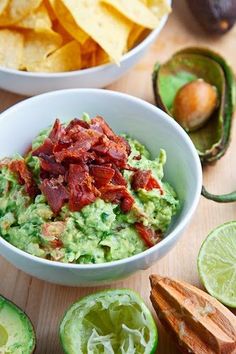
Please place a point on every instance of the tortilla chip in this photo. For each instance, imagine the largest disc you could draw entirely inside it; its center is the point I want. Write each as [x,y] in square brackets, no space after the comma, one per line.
[89,46]
[94,58]
[88,60]
[85,61]
[134,35]
[50,10]
[11,48]
[16,10]
[89,53]
[68,22]
[66,58]
[135,11]
[101,57]
[57,27]
[159,8]
[3,5]
[106,26]
[38,45]
[39,18]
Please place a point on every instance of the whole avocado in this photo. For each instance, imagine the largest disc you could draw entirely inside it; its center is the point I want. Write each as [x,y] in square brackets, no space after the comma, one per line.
[215,16]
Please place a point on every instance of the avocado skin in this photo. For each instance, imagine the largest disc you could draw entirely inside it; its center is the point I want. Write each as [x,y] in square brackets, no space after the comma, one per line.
[4,302]
[215,16]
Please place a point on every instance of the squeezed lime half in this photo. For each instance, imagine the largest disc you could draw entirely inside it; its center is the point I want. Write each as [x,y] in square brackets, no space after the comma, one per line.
[217,263]
[109,322]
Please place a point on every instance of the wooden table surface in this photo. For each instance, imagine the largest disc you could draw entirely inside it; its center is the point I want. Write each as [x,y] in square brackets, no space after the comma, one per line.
[45,303]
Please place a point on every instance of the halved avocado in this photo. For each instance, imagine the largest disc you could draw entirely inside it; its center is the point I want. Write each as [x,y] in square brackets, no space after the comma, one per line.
[17,334]
[190,64]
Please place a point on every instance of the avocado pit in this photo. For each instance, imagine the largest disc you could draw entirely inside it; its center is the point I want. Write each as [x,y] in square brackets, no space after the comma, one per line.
[194,104]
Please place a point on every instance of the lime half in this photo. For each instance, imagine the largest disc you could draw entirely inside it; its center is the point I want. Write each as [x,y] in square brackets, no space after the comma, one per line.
[109,322]
[217,263]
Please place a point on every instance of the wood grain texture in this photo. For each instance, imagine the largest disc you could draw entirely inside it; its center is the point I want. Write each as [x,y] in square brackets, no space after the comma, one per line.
[45,303]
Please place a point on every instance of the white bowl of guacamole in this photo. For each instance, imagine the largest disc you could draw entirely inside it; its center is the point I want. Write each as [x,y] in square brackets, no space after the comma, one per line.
[99,243]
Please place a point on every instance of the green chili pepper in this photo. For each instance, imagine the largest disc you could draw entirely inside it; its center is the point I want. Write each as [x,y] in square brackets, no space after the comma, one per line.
[223,198]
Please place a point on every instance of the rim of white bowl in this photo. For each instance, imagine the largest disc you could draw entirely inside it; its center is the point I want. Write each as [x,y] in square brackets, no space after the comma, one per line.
[148,40]
[181,225]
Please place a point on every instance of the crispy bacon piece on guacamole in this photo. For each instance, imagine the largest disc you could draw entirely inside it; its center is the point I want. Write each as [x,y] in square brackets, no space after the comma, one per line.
[25,177]
[91,157]
[144,179]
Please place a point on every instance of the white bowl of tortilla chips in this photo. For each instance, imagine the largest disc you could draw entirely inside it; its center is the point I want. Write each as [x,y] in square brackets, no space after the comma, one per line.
[47,45]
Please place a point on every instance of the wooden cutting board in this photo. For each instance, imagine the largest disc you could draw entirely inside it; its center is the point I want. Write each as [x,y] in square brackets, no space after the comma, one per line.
[45,303]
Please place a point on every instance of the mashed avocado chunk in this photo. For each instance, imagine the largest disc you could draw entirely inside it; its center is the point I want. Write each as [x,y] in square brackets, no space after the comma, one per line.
[99,232]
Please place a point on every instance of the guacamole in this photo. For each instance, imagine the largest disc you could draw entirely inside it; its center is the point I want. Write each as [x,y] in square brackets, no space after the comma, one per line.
[100,231]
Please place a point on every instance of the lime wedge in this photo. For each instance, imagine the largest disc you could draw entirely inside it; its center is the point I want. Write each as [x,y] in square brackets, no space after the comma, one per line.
[109,322]
[217,263]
